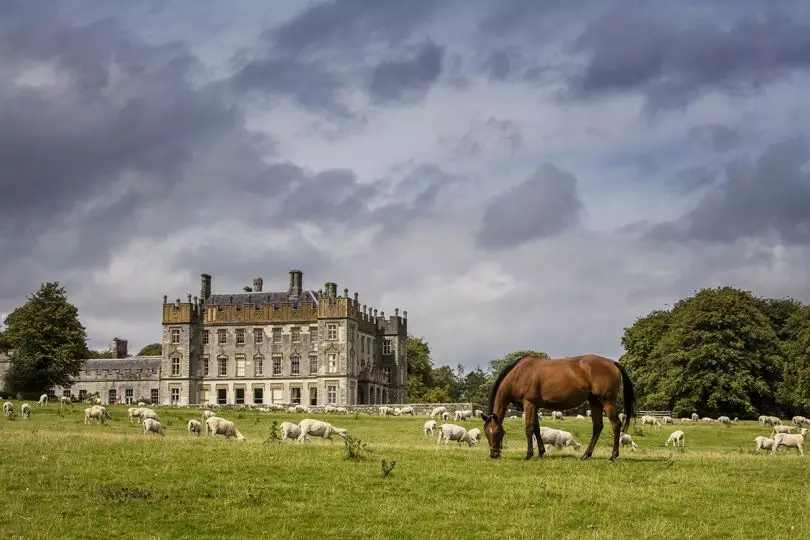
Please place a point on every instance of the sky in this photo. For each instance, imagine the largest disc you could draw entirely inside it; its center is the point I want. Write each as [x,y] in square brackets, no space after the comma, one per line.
[514,174]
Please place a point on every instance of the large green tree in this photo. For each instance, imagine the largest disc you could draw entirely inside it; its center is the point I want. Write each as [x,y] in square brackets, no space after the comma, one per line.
[47,343]
[153,349]
[794,392]
[420,366]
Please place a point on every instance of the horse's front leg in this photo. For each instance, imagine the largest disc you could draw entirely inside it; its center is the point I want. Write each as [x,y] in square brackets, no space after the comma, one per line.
[596,418]
[530,418]
[541,448]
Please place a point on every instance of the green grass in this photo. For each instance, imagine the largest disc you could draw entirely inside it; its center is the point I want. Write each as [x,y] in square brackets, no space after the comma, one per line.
[61,478]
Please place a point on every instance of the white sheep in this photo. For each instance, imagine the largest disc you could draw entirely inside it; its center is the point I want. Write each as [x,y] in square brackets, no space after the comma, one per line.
[134,412]
[43,399]
[647,419]
[557,415]
[694,417]
[667,420]
[621,418]
[707,419]
[141,404]
[773,421]
[675,437]
[723,420]
[301,408]
[342,410]
[790,441]
[445,416]
[194,427]
[220,426]
[407,410]
[319,428]
[764,443]
[330,409]
[474,435]
[452,432]
[65,400]
[762,418]
[26,410]
[588,413]
[289,431]
[8,409]
[580,417]
[386,411]
[558,438]
[153,426]
[800,420]
[627,440]
[429,426]
[97,413]
[463,415]
[148,413]
[781,429]
[437,411]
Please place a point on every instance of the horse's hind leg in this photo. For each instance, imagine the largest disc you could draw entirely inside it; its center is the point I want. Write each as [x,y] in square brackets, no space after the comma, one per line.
[596,418]
[613,414]
[530,419]
[541,448]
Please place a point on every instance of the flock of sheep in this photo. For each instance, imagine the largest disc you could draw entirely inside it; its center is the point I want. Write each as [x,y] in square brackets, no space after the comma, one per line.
[781,434]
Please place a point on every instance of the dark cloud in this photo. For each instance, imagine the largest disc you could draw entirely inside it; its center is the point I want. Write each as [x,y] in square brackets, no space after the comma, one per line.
[672,59]
[545,205]
[494,134]
[769,195]
[693,178]
[721,138]
[410,79]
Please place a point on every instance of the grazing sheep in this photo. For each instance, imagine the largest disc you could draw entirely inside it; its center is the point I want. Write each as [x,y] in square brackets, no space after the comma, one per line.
[134,412]
[463,415]
[781,429]
[694,417]
[445,416]
[762,419]
[452,432]
[43,399]
[621,418]
[800,420]
[675,437]
[667,420]
[65,400]
[26,410]
[194,427]
[329,408]
[342,410]
[557,415]
[148,413]
[772,421]
[647,419]
[723,420]
[558,438]
[386,411]
[141,404]
[474,435]
[580,417]
[319,428]
[684,419]
[707,419]
[291,409]
[627,440]
[437,411]
[588,413]
[220,426]
[289,431]
[790,441]
[301,408]
[764,443]
[429,426]
[8,409]
[407,410]
[97,413]
[153,426]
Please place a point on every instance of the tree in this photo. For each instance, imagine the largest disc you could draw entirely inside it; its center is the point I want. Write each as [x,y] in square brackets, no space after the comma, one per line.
[47,343]
[106,353]
[794,392]
[153,349]
[420,366]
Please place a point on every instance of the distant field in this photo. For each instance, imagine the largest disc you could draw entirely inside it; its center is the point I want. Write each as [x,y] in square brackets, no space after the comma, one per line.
[64,479]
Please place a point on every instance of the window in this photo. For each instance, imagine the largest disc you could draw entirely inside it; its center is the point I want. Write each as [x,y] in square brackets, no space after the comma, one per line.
[205,337]
[128,396]
[240,396]
[387,346]
[258,335]
[154,394]
[331,332]
[313,334]
[205,394]
[175,366]
[175,395]
[175,335]
[295,396]
[222,396]
[387,373]
[351,334]
[331,394]
[222,335]
[222,366]
[296,334]
[295,364]
[82,395]
[240,365]
[258,366]
[313,396]
[276,364]
[313,364]
[258,395]
[276,335]
[111,396]
[276,394]
[362,344]
[205,367]
[240,336]
[66,392]
[332,363]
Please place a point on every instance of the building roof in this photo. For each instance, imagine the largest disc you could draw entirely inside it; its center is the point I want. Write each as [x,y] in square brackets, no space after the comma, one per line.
[130,362]
[259,299]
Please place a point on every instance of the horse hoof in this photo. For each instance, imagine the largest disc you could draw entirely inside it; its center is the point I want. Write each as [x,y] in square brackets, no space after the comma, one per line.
[528,457]
[584,457]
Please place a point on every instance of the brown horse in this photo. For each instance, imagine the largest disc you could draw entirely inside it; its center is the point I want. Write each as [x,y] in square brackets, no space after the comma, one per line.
[538,382]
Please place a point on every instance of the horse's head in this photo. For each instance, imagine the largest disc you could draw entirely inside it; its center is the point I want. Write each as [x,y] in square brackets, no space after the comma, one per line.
[493,428]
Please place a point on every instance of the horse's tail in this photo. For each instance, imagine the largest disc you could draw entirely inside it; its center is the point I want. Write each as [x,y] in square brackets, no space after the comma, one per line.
[629,397]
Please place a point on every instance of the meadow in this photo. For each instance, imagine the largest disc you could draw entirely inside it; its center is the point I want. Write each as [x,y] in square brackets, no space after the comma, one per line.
[62,478]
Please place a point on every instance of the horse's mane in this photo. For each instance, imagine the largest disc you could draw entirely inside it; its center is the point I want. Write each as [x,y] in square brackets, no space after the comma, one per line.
[504,372]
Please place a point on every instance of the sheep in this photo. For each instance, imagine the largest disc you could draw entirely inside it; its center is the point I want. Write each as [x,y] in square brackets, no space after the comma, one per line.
[723,420]
[437,411]
[773,421]
[141,404]
[445,416]
[97,413]
[781,429]
[65,400]
[330,408]
[301,408]
[621,418]
[558,438]
[134,412]
[668,420]
[474,435]
[429,426]
[557,415]
[647,419]
[289,431]
[694,417]
[407,410]
[580,417]
[674,437]
[220,426]
[463,415]
[764,443]
[790,441]
[152,425]
[800,420]
[26,410]
[342,410]
[194,427]
[148,413]
[588,413]
[291,409]
[43,399]
[8,409]
[385,411]
[762,418]
[707,419]
[452,432]
[319,428]
[627,440]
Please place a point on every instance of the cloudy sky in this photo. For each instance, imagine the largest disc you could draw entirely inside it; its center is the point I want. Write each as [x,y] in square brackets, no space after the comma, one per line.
[521,174]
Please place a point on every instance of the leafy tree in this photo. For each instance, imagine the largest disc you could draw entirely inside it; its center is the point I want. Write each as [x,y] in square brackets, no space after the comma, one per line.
[153,349]
[107,353]
[420,366]
[779,311]
[475,387]
[46,340]
[794,392]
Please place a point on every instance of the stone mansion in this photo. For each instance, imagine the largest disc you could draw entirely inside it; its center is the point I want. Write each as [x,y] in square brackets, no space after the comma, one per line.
[256,347]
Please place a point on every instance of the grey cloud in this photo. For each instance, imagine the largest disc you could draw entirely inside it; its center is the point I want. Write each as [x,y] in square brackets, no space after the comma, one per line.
[769,195]
[494,134]
[407,80]
[693,178]
[544,205]
[722,138]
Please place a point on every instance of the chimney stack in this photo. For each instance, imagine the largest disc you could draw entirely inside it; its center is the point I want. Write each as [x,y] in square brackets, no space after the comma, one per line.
[258,283]
[205,286]
[119,347]
[296,277]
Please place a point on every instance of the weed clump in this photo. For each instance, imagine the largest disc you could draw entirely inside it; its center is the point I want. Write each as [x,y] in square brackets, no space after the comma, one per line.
[356,449]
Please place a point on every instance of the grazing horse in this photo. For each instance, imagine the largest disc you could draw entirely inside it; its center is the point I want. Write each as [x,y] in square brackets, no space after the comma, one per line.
[538,382]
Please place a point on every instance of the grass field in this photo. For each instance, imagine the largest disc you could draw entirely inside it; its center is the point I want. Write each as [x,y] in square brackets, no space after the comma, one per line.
[64,479]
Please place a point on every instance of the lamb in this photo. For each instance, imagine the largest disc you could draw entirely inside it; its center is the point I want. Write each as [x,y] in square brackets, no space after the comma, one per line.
[194,427]
[463,415]
[407,410]
[474,435]
[800,420]
[220,426]
[647,419]
[627,440]
[790,441]
[437,411]
[43,399]
[557,415]
[675,437]
[289,431]
[152,425]
[97,413]
[781,429]
[8,409]
[65,400]
[668,420]
[764,443]
[452,432]
[445,416]
[694,417]
[558,438]
[430,425]
[319,428]
[723,420]
[26,410]
[580,417]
